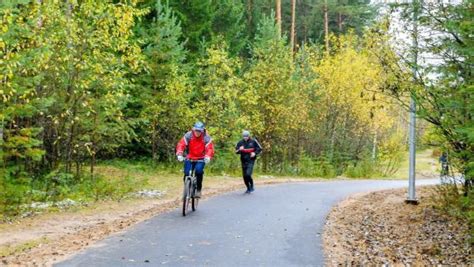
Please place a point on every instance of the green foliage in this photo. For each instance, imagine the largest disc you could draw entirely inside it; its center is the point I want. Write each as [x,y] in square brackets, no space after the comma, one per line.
[450,41]
[219,87]
[269,86]
[442,88]
[343,16]
[226,163]
[207,21]
[228,23]
[13,194]
[88,81]
[362,169]
[310,167]
[17,195]
[391,154]
[451,200]
[159,105]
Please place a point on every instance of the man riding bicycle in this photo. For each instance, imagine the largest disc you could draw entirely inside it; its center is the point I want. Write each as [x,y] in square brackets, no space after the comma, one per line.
[443,159]
[200,150]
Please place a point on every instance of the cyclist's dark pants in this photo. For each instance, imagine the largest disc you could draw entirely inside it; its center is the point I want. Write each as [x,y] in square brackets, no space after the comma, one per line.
[444,169]
[198,170]
[247,169]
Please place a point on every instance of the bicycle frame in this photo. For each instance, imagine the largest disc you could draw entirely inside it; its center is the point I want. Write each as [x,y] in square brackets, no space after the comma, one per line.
[444,174]
[191,190]
[191,172]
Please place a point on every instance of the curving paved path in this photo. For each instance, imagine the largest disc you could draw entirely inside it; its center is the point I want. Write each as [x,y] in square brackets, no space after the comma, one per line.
[277,225]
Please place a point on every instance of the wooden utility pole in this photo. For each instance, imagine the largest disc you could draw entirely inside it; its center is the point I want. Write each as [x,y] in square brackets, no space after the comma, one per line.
[278,14]
[293,22]
[326,25]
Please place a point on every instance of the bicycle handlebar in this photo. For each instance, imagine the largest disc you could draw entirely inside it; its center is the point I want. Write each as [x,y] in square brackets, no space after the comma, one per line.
[195,160]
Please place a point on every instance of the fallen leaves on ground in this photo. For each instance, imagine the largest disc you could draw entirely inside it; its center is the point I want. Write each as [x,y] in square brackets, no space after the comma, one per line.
[380,228]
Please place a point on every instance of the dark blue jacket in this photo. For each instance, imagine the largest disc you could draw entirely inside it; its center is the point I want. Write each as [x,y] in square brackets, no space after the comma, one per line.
[251,145]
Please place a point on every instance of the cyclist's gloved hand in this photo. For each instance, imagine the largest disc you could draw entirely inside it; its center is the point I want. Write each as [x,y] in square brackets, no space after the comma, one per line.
[207,160]
[180,158]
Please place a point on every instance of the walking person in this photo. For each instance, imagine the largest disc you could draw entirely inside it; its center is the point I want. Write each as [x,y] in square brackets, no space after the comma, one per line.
[249,149]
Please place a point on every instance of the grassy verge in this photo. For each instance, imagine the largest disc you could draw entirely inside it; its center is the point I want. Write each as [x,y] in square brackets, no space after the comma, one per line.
[169,180]
[115,180]
[120,179]
[426,165]
[6,251]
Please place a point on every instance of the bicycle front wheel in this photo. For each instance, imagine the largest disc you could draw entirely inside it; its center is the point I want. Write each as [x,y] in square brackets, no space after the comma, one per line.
[186,196]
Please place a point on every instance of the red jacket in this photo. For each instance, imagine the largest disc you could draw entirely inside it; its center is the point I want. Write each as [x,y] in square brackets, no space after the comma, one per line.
[197,147]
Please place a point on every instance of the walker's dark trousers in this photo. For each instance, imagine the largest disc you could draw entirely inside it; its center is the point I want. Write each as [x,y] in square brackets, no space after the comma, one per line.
[247,169]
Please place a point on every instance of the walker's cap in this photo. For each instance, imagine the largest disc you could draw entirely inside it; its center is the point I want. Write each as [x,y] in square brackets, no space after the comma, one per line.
[246,133]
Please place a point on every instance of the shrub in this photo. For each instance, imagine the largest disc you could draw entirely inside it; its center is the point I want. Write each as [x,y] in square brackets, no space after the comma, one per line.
[363,169]
[311,167]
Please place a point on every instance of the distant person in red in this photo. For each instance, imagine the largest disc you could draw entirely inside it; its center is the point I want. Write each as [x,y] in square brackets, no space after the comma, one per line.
[248,148]
[199,149]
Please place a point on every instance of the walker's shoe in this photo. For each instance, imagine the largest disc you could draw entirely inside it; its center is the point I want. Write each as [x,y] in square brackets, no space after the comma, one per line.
[247,192]
[198,194]
[252,189]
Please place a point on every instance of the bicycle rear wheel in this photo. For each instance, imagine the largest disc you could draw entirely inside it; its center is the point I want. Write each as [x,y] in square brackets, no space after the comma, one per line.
[186,195]
[194,203]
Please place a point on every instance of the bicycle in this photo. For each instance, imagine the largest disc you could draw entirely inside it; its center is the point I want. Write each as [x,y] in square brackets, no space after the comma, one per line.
[189,190]
[444,174]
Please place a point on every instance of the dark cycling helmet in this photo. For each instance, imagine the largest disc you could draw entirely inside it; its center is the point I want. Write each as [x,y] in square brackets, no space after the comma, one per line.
[199,126]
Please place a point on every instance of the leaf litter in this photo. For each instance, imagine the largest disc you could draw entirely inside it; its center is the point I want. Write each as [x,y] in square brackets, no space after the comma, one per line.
[379,228]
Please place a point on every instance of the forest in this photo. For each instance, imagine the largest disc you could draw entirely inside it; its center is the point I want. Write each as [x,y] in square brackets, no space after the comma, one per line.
[319,83]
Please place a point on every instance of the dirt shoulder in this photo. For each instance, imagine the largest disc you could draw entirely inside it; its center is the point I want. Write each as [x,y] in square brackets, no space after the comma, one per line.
[379,228]
[48,238]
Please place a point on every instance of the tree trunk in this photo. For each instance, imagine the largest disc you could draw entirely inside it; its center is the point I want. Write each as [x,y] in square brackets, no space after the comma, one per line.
[92,162]
[70,145]
[374,147]
[278,15]
[339,21]
[2,161]
[93,145]
[40,19]
[293,22]
[249,14]
[78,166]
[153,141]
[69,89]
[1,131]
[326,25]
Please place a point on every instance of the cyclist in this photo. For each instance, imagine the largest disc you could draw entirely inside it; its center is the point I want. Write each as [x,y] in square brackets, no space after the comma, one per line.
[443,159]
[248,148]
[198,145]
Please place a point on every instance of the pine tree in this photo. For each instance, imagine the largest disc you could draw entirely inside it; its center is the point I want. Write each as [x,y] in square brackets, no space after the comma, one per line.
[219,87]
[163,95]
[269,88]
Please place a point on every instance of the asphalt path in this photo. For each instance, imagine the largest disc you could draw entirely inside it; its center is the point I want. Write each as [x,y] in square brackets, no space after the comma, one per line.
[277,225]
